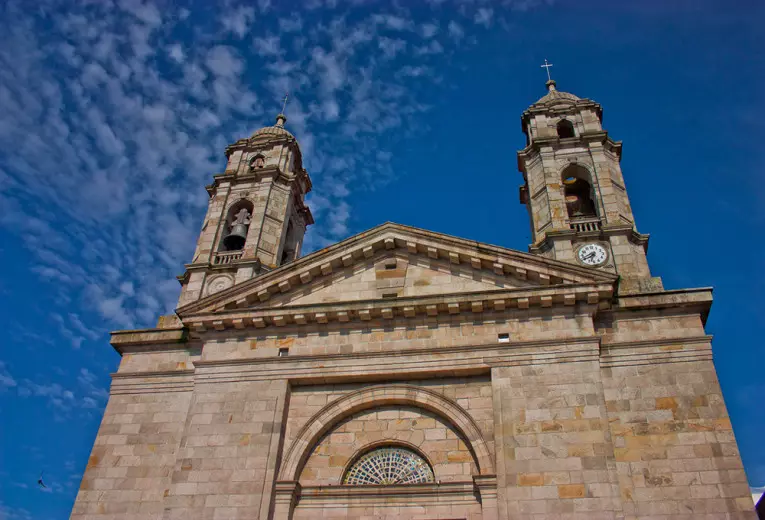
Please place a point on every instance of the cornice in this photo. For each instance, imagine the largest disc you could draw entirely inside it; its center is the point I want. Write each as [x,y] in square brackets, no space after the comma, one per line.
[390,237]
[696,300]
[586,139]
[606,231]
[407,307]
[300,177]
[148,336]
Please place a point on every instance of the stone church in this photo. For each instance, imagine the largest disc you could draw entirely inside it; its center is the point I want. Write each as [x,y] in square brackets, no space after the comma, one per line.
[408,374]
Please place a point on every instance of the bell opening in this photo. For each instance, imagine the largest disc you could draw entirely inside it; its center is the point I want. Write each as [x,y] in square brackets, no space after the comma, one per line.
[237,226]
[578,195]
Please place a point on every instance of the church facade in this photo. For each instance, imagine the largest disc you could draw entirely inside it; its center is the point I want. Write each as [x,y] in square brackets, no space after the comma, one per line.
[408,374]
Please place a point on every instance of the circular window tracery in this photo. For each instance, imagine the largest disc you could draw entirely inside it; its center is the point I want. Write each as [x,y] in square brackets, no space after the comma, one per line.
[387,466]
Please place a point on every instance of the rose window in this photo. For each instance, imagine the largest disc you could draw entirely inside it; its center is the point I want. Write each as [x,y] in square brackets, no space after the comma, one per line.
[387,466]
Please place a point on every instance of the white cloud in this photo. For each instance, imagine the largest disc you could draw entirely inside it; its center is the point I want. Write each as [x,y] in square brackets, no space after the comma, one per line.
[484,16]
[391,46]
[455,31]
[134,121]
[428,30]
[6,380]
[268,46]
[237,21]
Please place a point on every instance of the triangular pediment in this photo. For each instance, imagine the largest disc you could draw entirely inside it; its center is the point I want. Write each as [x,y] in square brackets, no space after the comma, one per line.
[398,267]
[395,263]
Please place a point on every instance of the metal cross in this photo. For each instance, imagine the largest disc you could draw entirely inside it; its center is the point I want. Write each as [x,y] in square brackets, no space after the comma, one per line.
[547,66]
[284,106]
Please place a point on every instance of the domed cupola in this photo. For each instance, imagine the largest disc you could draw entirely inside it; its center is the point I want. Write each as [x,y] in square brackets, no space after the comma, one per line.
[554,95]
[274,131]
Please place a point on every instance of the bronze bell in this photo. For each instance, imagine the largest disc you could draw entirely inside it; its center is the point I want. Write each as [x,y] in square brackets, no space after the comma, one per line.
[234,241]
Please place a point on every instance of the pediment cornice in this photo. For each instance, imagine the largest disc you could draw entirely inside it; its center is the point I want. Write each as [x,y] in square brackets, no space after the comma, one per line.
[454,304]
[543,273]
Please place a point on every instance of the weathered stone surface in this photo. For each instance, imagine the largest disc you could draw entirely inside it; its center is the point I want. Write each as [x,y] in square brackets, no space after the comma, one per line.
[533,387]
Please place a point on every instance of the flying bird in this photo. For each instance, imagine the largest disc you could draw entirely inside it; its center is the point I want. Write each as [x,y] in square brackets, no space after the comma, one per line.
[41,483]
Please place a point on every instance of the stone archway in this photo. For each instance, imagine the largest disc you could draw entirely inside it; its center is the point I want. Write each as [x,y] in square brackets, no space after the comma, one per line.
[333,413]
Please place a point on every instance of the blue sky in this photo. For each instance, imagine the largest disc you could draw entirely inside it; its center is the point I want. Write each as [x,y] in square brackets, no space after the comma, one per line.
[115,115]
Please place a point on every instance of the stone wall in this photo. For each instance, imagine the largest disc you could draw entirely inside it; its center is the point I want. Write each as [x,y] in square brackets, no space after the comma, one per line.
[129,470]
[554,451]
[675,451]
[229,452]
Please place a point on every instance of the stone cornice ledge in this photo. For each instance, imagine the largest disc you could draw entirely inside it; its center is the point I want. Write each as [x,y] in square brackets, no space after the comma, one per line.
[144,339]
[408,307]
[697,299]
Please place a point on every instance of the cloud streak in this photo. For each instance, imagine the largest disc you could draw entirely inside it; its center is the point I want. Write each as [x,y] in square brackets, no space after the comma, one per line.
[117,124]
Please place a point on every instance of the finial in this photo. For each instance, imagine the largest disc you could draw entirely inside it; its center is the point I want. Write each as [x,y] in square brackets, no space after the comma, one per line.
[547,67]
[281,118]
[550,85]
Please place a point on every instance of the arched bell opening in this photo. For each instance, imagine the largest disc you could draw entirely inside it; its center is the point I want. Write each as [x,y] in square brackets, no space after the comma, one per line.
[236,226]
[580,202]
[565,129]
[259,161]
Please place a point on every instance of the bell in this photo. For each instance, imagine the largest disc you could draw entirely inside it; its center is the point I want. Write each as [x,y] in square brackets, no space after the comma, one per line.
[234,241]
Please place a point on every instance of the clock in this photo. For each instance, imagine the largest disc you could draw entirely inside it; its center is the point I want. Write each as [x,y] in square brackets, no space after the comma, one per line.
[592,254]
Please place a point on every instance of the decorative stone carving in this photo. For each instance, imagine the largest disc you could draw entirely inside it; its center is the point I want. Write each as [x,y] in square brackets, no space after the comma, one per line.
[218,283]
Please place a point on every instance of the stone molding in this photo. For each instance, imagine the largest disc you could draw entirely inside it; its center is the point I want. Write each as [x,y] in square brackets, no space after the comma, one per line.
[408,307]
[390,496]
[424,362]
[445,362]
[656,352]
[152,382]
[395,394]
[389,236]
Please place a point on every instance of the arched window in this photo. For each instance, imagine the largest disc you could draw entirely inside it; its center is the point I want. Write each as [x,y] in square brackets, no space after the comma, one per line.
[236,226]
[565,129]
[258,162]
[578,192]
[389,465]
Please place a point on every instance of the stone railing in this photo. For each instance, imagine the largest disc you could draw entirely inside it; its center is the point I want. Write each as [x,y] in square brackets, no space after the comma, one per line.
[582,225]
[227,257]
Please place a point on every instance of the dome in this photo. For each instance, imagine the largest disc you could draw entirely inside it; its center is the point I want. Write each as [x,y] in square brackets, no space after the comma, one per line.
[276,130]
[554,95]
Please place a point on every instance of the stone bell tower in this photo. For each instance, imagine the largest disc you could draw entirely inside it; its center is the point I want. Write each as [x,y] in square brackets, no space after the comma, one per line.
[575,192]
[256,217]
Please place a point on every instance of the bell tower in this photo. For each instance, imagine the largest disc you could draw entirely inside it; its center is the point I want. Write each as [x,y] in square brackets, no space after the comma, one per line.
[575,192]
[256,217]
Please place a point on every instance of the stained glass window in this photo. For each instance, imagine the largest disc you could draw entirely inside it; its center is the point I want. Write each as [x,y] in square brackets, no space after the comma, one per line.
[389,465]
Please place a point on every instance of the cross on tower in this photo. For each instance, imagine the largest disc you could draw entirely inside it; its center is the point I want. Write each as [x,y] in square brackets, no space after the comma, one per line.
[284,106]
[547,67]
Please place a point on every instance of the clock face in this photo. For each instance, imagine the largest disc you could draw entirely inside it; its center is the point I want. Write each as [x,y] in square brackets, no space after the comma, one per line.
[592,254]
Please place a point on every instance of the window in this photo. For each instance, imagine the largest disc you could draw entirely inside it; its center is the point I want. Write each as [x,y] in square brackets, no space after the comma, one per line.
[565,129]
[390,265]
[388,466]
[258,162]
[284,352]
[390,295]
[503,338]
